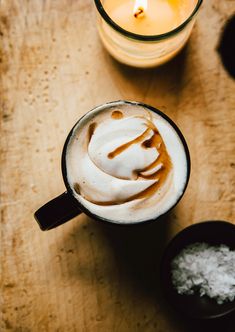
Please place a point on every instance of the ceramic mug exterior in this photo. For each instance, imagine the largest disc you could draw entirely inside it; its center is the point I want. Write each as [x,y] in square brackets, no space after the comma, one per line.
[65,207]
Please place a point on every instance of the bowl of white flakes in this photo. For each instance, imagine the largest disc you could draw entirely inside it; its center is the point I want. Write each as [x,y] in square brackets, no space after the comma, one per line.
[198,270]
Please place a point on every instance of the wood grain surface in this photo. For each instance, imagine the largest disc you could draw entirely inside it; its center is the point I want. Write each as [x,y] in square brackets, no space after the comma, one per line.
[84,276]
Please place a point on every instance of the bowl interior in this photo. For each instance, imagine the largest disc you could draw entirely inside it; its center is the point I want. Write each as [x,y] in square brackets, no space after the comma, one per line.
[214,233]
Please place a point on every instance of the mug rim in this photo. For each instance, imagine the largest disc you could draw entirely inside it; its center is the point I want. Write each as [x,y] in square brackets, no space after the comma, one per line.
[116,222]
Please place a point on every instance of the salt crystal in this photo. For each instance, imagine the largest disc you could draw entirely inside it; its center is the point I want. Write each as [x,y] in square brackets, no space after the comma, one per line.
[208,270]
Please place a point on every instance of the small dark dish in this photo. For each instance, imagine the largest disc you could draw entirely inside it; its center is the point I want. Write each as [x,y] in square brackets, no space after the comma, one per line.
[194,306]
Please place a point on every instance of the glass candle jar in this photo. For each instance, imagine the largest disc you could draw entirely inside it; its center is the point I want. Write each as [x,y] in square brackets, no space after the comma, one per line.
[145,37]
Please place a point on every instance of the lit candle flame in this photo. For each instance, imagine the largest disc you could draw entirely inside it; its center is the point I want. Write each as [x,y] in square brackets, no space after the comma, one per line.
[140,8]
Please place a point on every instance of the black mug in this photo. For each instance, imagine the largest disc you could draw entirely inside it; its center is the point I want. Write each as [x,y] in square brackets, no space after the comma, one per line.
[65,207]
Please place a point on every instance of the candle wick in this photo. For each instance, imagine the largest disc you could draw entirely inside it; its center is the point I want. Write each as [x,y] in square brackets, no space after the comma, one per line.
[139,12]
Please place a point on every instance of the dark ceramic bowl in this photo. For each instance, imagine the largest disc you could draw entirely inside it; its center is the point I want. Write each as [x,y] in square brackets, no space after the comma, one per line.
[194,306]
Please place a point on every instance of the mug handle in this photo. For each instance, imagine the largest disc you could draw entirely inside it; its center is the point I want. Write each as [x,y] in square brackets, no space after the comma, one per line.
[57,211]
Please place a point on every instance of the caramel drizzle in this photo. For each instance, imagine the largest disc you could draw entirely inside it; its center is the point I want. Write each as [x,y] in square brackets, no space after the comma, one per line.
[91,130]
[125,146]
[162,163]
[163,158]
[117,115]
[143,194]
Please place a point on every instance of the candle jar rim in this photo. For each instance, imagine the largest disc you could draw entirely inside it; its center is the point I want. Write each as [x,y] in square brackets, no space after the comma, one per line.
[139,37]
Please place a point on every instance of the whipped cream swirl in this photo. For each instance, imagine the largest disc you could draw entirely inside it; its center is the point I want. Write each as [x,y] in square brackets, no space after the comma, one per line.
[120,167]
[126,160]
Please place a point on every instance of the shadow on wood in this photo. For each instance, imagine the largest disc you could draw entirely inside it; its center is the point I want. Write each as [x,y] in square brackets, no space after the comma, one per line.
[154,84]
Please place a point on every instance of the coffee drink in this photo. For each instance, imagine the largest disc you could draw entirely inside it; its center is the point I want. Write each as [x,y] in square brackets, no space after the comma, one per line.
[126,163]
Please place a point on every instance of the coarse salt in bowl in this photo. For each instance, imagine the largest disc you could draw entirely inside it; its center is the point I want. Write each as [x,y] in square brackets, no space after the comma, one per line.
[213,234]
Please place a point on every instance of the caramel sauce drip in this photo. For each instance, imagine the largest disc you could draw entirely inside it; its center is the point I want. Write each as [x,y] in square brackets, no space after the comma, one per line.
[76,188]
[161,173]
[91,130]
[125,146]
[163,158]
[162,163]
[117,115]
[143,194]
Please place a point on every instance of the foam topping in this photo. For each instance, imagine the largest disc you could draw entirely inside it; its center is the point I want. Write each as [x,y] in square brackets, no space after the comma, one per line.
[122,168]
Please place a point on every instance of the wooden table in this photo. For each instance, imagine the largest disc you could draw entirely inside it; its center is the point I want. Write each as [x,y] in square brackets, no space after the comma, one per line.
[84,276]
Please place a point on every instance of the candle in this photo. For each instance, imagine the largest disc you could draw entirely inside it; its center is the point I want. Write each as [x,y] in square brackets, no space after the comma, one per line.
[145,33]
[149,17]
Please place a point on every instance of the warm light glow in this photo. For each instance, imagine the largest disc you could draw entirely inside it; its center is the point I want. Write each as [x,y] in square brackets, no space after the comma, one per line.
[140,8]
